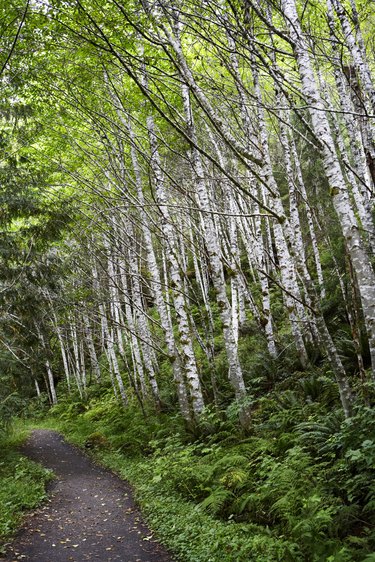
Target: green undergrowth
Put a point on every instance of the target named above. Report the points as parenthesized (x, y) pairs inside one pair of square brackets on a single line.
[(297, 486), (22, 483), (190, 532)]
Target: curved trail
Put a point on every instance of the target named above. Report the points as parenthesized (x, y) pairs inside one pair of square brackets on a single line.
[(90, 514)]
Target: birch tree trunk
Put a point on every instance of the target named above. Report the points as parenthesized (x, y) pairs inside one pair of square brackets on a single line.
[(291, 292), (340, 198), (213, 249), (156, 287), (186, 344), (108, 342), (358, 56), (51, 382), (63, 352), (91, 347)]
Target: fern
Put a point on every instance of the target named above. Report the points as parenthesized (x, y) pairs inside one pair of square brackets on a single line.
[(319, 437), (215, 502), (230, 461), (244, 503), (319, 388), (234, 479), (369, 507)]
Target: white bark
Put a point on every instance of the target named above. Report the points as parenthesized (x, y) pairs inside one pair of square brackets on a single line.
[(309, 215), (363, 186), (361, 263), (359, 58), (291, 292), (63, 351), (156, 287), (142, 327), (51, 382), (213, 115), (77, 366), (186, 344), (108, 341), (37, 389), (213, 248), (91, 347), (83, 363)]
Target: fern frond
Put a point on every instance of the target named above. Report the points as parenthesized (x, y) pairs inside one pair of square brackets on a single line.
[(230, 461), (234, 478), (215, 502)]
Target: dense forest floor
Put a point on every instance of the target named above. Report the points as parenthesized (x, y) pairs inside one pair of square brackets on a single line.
[(284, 490), (89, 516)]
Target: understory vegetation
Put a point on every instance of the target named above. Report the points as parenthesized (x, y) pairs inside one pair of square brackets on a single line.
[(298, 485), (22, 483)]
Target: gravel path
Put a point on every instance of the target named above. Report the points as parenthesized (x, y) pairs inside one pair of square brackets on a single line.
[(90, 514)]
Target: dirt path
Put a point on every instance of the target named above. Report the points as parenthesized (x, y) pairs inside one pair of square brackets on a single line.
[(90, 514)]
